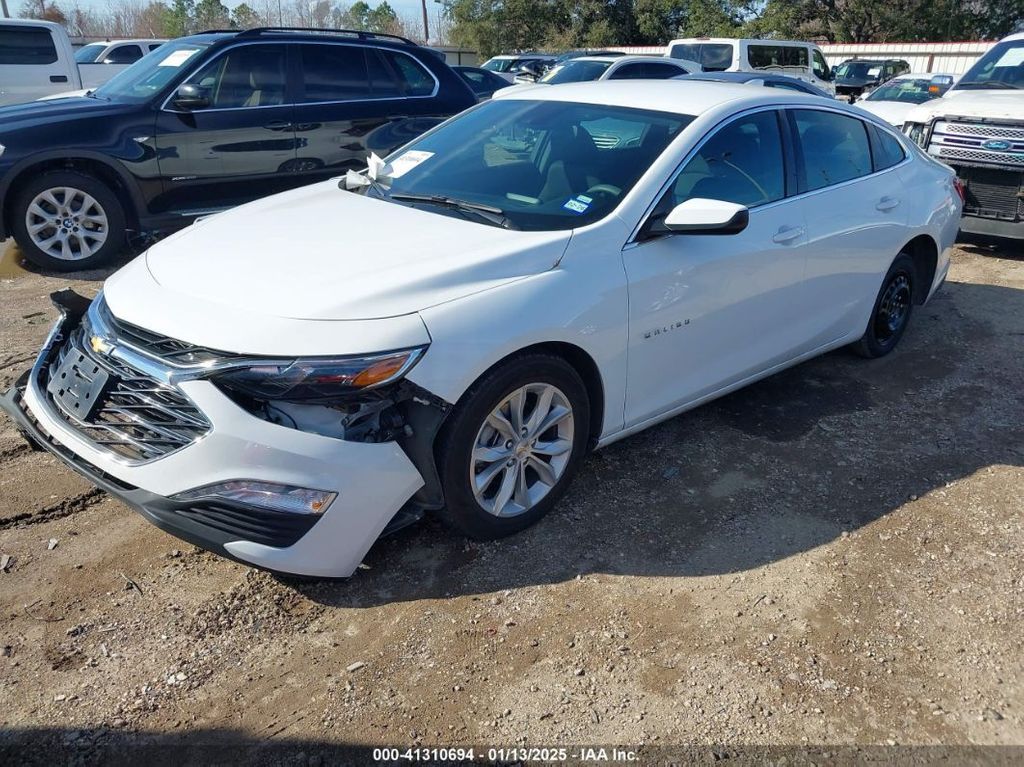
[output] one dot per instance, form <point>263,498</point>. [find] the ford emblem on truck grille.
<point>996,145</point>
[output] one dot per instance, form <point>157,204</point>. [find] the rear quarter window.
<point>835,147</point>
<point>886,149</point>
<point>413,77</point>
<point>26,45</point>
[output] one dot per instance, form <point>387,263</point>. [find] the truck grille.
<point>981,144</point>
<point>135,416</point>
<point>989,131</point>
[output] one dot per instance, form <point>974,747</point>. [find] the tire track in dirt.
<point>62,508</point>
<point>14,451</point>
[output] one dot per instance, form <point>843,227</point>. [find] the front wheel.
<point>513,445</point>
<point>891,312</point>
<point>66,220</point>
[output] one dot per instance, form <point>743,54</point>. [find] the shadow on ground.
<point>776,469</point>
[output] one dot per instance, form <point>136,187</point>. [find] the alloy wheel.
<point>522,450</point>
<point>66,223</point>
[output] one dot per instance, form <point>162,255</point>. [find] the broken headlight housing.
<point>916,133</point>
<point>319,379</point>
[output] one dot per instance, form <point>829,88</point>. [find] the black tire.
<point>891,312</point>
<point>455,446</point>
<point>105,199</point>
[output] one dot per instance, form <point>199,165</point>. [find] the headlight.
<point>319,379</point>
<point>915,131</point>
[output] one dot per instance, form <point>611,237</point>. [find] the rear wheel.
<point>513,445</point>
<point>67,220</point>
<point>891,313</point>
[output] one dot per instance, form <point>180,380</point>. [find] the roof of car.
<point>678,96</point>
<point>301,33</point>
<point>867,61</point>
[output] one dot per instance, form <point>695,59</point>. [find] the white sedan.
<point>454,330</point>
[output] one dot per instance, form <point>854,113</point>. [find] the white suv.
<point>452,331</point>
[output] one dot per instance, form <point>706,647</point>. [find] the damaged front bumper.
<point>373,482</point>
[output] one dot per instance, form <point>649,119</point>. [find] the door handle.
<point>887,203</point>
<point>280,125</point>
<point>788,234</point>
<point>58,78</point>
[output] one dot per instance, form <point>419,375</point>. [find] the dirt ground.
<point>832,556</point>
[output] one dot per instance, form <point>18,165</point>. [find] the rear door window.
<point>628,72</point>
<point>714,57</point>
<point>333,73</point>
<point>777,56</point>
<point>834,147</point>
<point>124,54</point>
<point>26,45</point>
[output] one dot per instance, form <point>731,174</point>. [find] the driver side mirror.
<point>189,97</point>
<point>702,216</point>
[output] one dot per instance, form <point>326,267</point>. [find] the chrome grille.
<point>170,350</point>
<point>975,155</point>
<point>997,131</point>
<point>137,417</point>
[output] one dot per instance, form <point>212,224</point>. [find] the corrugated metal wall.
<point>945,58</point>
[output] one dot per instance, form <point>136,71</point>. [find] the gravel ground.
<point>831,557</point>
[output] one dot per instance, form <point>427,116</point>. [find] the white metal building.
<point>948,58</point>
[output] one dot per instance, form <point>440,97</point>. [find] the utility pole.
<point>7,14</point>
<point>426,29</point>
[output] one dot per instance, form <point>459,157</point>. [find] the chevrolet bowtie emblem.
<point>100,345</point>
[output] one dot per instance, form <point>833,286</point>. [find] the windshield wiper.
<point>488,213</point>
<point>993,84</point>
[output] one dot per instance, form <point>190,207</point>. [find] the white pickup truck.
<point>978,129</point>
<point>37,60</point>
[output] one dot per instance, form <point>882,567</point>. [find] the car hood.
<point>893,112</point>
<point>855,82</point>
<point>321,253</point>
<point>971,103</point>
<point>38,113</point>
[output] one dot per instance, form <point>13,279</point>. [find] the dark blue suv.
<point>204,123</point>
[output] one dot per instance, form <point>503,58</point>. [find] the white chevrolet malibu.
<point>453,330</point>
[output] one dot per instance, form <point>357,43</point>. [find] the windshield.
<point>151,73</point>
<point>543,165</point>
<point>914,91</point>
<point>858,69</point>
<point>88,54</point>
<point>498,65</point>
<point>575,72</point>
<point>1002,67</point>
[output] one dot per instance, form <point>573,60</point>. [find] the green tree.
<point>181,18</point>
<point>381,19</point>
<point>212,14</point>
<point>244,17</point>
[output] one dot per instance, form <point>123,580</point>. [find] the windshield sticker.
<point>522,198</point>
<point>1012,58</point>
<point>874,71</point>
<point>406,161</point>
<point>178,58</point>
<point>578,204</point>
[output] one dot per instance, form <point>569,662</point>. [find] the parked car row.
<point>37,60</point>
<point>552,270</point>
<point>205,123</point>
